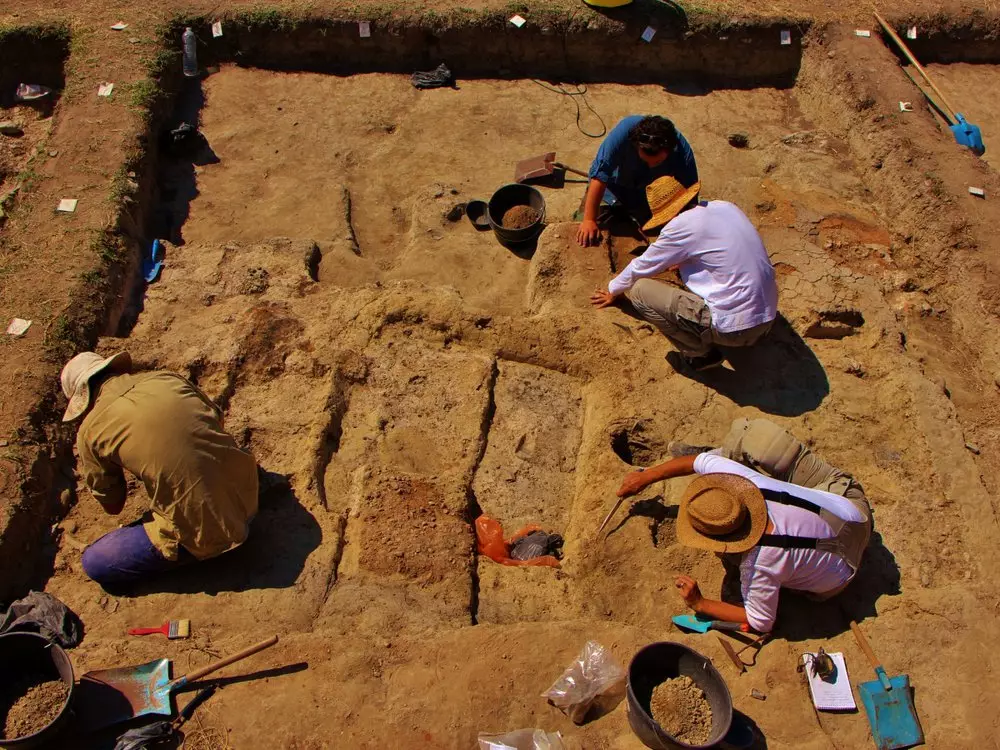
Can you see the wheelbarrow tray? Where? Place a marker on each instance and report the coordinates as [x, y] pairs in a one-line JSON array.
[[891, 714]]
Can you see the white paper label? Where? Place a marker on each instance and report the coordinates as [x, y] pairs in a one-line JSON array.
[[648, 34], [217, 29], [364, 29], [18, 326], [67, 205], [911, 33], [862, 32], [105, 89], [786, 37], [518, 21]]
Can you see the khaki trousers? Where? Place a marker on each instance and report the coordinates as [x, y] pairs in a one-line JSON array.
[[765, 447], [685, 319]]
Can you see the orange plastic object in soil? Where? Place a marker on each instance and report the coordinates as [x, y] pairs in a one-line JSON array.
[[489, 535]]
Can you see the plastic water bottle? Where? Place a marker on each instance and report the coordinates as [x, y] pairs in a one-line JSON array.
[[190, 53]]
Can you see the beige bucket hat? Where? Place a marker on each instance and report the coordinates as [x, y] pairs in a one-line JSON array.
[[721, 513], [76, 375], [666, 197]]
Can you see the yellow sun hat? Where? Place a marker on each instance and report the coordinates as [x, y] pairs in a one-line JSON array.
[[721, 513], [666, 197]]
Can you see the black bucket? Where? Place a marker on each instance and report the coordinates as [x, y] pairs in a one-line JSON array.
[[505, 199], [658, 662], [29, 652]]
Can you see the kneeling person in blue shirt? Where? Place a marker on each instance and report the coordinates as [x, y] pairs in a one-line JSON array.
[[637, 151]]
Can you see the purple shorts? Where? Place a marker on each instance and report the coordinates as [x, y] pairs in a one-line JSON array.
[[126, 555]]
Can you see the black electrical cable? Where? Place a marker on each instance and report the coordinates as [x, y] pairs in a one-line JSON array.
[[577, 96]]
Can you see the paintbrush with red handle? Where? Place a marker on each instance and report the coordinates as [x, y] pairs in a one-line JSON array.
[[172, 629]]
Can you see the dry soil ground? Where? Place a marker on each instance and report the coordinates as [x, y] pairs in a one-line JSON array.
[[406, 371]]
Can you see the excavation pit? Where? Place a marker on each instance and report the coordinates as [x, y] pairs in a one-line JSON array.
[[408, 373]]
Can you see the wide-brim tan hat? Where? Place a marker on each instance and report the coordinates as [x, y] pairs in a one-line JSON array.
[[76, 375], [666, 197], [721, 513]]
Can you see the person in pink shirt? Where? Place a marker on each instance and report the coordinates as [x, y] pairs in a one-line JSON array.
[[793, 520]]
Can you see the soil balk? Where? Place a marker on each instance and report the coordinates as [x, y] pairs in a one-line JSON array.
[[519, 217], [487, 46], [681, 708], [30, 703]]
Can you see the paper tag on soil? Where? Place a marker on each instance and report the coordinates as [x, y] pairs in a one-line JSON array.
[[648, 34], [517, 21], [786, 37], [67, 205], [364, 29], [120, 26], [911, 33], [18, 326], [217, 29], [978, 192], [105, 89], [905, 107], [862, 32]]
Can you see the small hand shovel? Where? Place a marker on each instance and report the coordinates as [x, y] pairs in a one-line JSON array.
[[111, 696], [540, 167], [699, 625], [888, 701]]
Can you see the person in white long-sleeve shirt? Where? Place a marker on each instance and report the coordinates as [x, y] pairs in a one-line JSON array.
[[731, 297], [791, 519]]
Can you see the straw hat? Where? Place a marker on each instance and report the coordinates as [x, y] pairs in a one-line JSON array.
[[76, 377], [721, 513], [666, 197]]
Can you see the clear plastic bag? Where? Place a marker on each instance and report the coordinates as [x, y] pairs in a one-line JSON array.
[[595, 679], [522, 739]]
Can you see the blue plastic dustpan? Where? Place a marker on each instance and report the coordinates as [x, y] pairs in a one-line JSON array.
[[888, 701], [967, 134]]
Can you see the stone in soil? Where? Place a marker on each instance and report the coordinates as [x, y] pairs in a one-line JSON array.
[[519, 217], [29, 703], [681, 708]]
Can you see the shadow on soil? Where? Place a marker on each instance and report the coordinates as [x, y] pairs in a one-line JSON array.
[[801, 618], [178, 181], [779, 374], [282, 536]]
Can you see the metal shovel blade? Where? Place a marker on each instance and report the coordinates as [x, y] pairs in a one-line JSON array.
[[535, 167], [891, 714], [967, 134], [110, 696]]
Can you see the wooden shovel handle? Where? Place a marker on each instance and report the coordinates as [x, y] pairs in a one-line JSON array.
[[560, 165], [909, 56], [863, 643], [206, 670]]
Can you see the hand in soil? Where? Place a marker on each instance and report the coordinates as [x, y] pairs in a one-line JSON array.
[[589, 234], [634, 482], [519, 217], [29, 703], [679, 706], [689, 590], [600, 298]]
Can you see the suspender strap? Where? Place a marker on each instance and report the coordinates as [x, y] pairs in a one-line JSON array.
[[786, 541], [785, 499]]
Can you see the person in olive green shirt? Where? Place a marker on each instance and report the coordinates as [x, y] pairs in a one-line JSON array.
[[202, 487]]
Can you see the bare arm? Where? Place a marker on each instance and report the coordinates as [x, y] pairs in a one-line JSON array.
[[636, 481], [589, 233], [710, 608]]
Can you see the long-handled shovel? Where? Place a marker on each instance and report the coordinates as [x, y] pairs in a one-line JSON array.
[[111, 696], [888, 701], [966, 134]]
